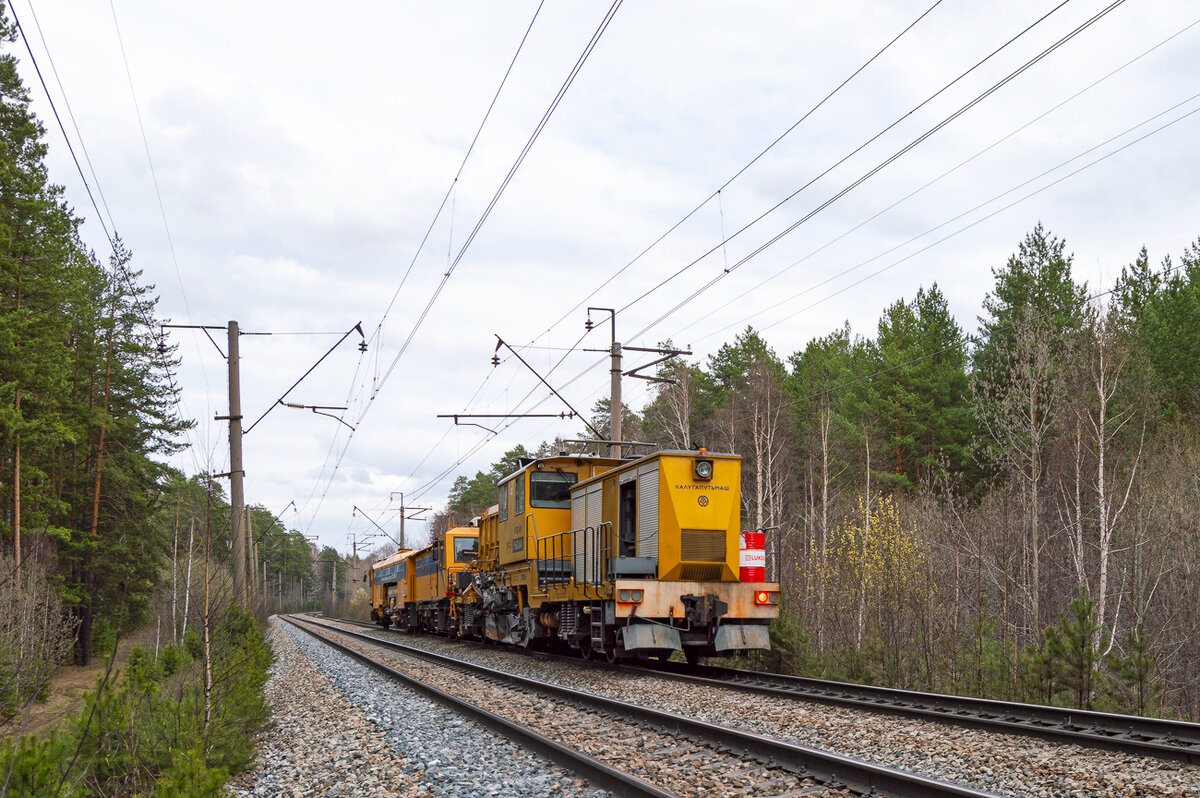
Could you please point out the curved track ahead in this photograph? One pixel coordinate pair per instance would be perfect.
(833, 770)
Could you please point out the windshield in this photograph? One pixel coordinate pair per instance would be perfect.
(465, 550)
(551, 489)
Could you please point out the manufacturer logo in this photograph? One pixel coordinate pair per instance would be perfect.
(702, 501)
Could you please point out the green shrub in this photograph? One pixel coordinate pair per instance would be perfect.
(38, 766)
(145, 733)
(190, 777)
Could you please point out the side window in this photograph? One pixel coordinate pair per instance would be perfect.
(504, 502)
(519, 504)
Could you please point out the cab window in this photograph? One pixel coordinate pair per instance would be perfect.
(504, 502)
(551, 489)
(519, 504)
(465, 550)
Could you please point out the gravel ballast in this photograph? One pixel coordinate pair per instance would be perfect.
(1003, 763)
(673, 762)
(343, 729)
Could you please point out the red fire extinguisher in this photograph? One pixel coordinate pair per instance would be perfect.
(753, 560)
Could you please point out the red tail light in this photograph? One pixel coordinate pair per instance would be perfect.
(766, 597)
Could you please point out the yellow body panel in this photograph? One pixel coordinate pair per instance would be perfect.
(688, 505)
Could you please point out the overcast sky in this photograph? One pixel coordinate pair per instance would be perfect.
(301, 151)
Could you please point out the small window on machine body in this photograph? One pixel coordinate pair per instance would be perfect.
(519, 504)
(551, 489)
(504, 502)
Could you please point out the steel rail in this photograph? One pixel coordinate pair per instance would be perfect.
(616, 781)
(1156, 737)
(864, 778)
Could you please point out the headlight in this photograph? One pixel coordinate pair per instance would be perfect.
(637, 595)
(704, 469)
(623, 595)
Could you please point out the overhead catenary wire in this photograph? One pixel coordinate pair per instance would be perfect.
(873, 171)
(967, 212)
(728, 182)
(725, 240)
(717, 193)
(377, 333)
(920, 189)
(1009, 42)
(490, 372)
(466, 157)
(512, 171)
(555, 102)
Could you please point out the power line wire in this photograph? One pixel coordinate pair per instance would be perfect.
(110, 236)
(743, 169)
(570, 79)
(872, 172)
(913, 193)
(841, 161)
(149, 160)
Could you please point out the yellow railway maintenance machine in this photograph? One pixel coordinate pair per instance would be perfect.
(413, 590)
(617, 558)
(388, 580)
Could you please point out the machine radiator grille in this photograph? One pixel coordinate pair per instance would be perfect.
(702, 545)
(691, 572)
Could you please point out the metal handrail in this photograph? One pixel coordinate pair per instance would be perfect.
(596, 547)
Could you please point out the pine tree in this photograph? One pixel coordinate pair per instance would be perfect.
(920, 394)
(1083, 642)
(1133, 688)
(41, 264)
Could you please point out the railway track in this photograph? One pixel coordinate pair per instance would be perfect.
(1163, 739)
(625, 747)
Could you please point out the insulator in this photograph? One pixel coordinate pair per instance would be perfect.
(495, 360)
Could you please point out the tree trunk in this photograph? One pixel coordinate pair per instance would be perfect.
(85, 628)
(187, 581)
